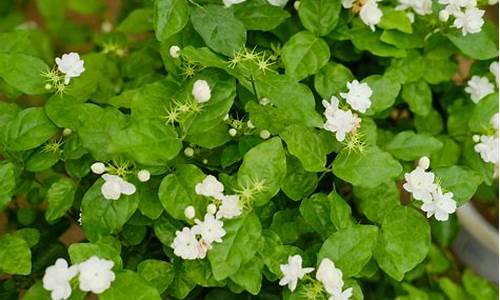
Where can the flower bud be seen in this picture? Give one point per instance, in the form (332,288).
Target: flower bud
(250,124)
(296,5)
(143,175)
(98,168)
(264,101)
(424,162)
(67,131)
(476,138)
(232,132)
(211,209)
(444,15)
(174,51)
(189,212)
(264,134)
(189,152)
(201,91)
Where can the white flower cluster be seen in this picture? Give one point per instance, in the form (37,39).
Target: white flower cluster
(70,65)
(342,121)
(478,88)
(487,145)
(114,186)
(327,274)
(420,7)
(94,275)
(421,185)
(369,12)
(467,16)
(194,243)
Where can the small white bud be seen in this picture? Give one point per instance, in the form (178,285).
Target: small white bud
(264,101)
(201,91)
(67,131)
(444,15)
(205,161)
(411,16)
(250,124)
(211,209)
(424,162)
(106,26)
(48,86)
(296,5)
(264,134)
(189,212)
(98,168)
(232,132)
(174,51)
(226,117)
(143,175)
(189,152)
(476,138)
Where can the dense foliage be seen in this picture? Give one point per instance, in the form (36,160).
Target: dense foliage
(264,149)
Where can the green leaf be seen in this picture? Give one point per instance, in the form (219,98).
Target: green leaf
(101,217)
(340,211)
(294,100)
(170,17)
(396,253)
(395,19)
(332,79)
(452,290)
(137,21)
(60,198)
(41,161)
(149,142)
(129,285)
(368,168)
(364,39)
(385,92)
(448,155)
(158,273)
(408,145)
(177,191)
(298,183)
(29,129)
(305,144)
(15,255)
(80,252)
(477,45)
(7,183)
(237,248)
(432,123)
(249,276)
(304,54)
(23,72)
(482,112)
(418,95)
(37,292)
(259,15)
(319,16)
(220,30)
(408,69)
(376,202)
(478,287)
(316,212)
(350,248)
(462,181)
(264,165)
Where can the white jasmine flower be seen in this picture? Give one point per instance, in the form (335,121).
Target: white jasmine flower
(70,65)
(329,276)
(211,209)
(478,88)
(339,121)
(98,168)
(424,162)
(454,6)
(420,183)
(143,175)
(211,229)
(441,205)
(201,91)
(232,132)
(228,3)
(494,70)
(114,186)
(470,20)
(264,134)
(210,187)
(96,275)
(230,207)
(358,95)
(186,245)
(174,51)
(57,279)
(370,14)
(341,295)
(488,149)
(293,271)
(421,7)
(494,121)
(280,3)
(189,212)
